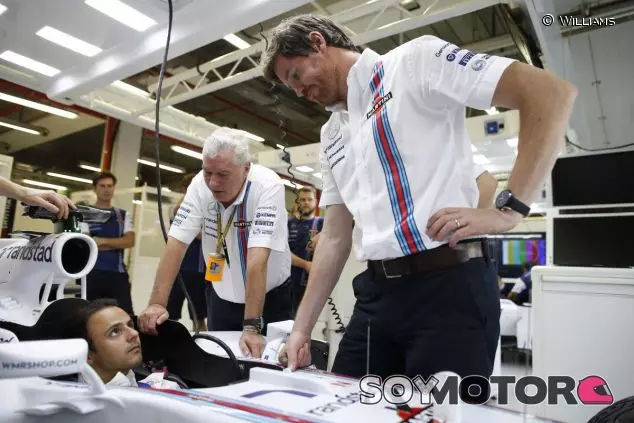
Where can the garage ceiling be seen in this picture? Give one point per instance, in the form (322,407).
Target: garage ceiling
(245,101)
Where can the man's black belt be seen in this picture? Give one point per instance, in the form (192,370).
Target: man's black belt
(439,258)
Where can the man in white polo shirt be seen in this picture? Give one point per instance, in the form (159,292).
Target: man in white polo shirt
(241,210)
(429,299)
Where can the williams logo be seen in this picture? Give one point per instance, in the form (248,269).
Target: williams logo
(378,104)
(242,223)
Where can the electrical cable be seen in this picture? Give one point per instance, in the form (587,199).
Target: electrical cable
(159,87)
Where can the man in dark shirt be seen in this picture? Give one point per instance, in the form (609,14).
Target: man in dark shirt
(303,234)
(109,278)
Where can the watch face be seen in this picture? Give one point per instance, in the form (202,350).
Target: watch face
(503,199)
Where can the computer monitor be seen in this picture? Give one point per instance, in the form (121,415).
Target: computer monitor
(515,250)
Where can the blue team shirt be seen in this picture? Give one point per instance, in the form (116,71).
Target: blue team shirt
(299,235)
(110,260)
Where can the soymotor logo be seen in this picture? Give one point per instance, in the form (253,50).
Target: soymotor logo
(529,390)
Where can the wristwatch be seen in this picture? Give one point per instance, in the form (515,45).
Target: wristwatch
(506,200)
(257,324)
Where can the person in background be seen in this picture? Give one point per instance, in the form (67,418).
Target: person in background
(109,278)
(521,292)
(50,200)
(193,273)
(303,230)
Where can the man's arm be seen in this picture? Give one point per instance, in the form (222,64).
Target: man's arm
(258,258)
(300,262)
(167,270)
(126,241)
(542,123)
(50,200)
(487,185)
(330,257)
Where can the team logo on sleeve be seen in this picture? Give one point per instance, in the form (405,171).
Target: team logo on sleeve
(452,56)
(478,65)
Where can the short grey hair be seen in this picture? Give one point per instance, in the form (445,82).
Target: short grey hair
(290,38)
(223,139)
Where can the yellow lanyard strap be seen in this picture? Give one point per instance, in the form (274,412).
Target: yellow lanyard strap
(222,235)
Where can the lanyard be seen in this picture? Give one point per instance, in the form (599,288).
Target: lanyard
(222,235)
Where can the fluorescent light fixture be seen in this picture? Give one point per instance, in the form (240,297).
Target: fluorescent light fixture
(187,152)
(70,178)
(473,148)
(123,13)
(252,136)
(68,41)
(161,166)
(43,184)
(492,111)
(139,202)
(317,175)
(237,41)
(280,146)
(19,128)
(28,63)
(304,169)
(90,167)
(291,184)
(38,106)
(512,142)
(3,9)
(130,88)
(480,159)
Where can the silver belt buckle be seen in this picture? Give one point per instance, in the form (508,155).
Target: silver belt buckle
(385,272)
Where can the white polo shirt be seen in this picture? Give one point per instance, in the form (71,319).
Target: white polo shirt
(259,221)
(402,151)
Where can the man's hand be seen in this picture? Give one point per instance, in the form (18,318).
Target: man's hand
(460,223)
(307,265)
(313,243)
(296,352)
(252,344)
(50,200)
(151,317)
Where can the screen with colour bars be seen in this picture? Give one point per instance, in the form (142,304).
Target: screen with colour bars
(516,252)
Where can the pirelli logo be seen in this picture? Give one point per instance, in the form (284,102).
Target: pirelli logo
(379,104)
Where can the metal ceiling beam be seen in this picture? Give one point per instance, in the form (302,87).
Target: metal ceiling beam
(376,31)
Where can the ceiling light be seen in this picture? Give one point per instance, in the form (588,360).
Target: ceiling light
(68,41)
(3,9)
(38,106)
(280,146)
(139,202)
(19,128)
(187,152)
(123,13)
(492,111)
(512,142)
(130,88)
(480,159)
(28,63)
(304,169)
(71,178)
(252,136)
(237,41)
(90,167)
(161,166)
(43,184)
(317,175)
(473,148)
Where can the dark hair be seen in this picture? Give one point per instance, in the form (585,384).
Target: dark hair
(290,38)
(78,324)
(104,175)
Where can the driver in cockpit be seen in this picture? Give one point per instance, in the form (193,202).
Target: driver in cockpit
(114,347)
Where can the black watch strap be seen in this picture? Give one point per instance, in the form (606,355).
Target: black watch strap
(256,324)
(519,207)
